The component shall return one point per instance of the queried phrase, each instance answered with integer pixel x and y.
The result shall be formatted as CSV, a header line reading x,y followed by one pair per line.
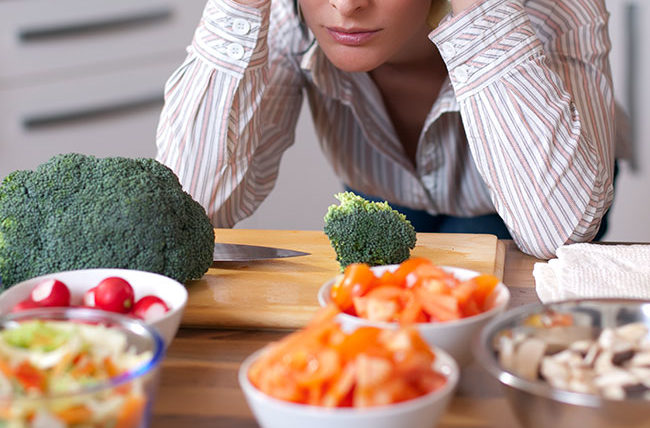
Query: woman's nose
x,y
348,7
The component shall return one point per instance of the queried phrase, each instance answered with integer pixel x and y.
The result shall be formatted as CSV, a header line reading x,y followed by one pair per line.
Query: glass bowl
x,y
83,367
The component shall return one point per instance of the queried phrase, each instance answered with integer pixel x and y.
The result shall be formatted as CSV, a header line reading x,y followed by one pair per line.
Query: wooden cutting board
x,y
281,293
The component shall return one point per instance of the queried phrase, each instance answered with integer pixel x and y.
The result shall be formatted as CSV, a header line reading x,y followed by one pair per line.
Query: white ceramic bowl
x,y
454,337
421,412
78,281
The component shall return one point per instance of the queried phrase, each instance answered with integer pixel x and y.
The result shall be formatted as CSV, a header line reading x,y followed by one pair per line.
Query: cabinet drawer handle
x,y
40,121
113,23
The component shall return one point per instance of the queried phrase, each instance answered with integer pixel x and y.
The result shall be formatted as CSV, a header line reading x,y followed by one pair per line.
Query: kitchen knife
x,y
244,253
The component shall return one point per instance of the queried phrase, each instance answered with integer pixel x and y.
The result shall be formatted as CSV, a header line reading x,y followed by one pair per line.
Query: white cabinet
x,y
630,60
86,75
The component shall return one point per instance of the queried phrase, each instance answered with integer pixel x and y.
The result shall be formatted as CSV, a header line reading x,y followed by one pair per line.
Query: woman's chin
x,y
353,62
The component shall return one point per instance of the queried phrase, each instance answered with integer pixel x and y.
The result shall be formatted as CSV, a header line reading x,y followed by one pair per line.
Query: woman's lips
x,y
351,37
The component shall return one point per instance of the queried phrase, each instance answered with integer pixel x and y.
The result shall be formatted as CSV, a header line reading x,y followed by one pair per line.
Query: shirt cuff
x,y
232,36
483,42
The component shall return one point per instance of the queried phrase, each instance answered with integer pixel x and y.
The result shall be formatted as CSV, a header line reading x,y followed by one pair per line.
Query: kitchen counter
x,y
199,388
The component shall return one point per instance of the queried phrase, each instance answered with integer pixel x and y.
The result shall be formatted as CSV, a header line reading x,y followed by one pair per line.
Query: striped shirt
x,y
523,125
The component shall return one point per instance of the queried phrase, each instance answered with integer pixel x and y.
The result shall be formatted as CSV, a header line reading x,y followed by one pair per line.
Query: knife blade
x,y
244,253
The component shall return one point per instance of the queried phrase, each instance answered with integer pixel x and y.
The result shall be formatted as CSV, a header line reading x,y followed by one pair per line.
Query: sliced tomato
x,y
470,308
464,291
440,307
412,311
407,267
485,284
465,294
356,280
428,381
387,292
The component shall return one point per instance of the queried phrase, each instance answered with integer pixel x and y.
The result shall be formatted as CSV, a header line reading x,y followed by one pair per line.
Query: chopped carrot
x,y
84,367
358,342
6,369
132,411
74,414
110,367
30,377
366,367
63,365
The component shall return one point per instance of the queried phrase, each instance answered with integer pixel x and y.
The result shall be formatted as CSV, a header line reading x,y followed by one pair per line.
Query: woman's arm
x,y
535,91
231,108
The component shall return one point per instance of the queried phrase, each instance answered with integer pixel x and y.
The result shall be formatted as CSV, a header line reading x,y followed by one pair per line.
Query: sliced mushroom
x,y
554,371
592,354
615,377
559,338
632,332
615,364
614,393
506,348
641,359
528,357
603,362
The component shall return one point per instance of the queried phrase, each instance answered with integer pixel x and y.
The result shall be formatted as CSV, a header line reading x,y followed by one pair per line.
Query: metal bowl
x,y
535,402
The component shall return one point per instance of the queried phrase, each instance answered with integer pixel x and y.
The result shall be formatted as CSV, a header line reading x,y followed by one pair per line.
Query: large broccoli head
x,y
361,231
77,211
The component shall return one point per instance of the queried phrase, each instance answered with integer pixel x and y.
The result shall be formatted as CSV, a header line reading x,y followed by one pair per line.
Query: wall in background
x,y
630,60
305,187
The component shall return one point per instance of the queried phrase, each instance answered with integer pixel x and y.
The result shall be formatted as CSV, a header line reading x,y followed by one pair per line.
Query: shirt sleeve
x,y
535,94
231,108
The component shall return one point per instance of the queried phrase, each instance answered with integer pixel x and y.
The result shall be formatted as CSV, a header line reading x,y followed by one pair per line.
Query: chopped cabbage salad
x,y
53,374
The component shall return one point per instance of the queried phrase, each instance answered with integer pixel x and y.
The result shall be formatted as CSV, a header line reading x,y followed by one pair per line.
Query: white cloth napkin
x,y
594,270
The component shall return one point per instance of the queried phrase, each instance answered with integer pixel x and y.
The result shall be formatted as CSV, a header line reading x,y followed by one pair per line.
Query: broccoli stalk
x,y
77,211
361,231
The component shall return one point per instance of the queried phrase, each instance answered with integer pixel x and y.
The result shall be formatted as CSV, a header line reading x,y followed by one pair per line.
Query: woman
x,y
502,116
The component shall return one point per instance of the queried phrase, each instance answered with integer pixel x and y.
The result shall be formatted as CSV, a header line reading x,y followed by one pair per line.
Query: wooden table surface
x,y
198,385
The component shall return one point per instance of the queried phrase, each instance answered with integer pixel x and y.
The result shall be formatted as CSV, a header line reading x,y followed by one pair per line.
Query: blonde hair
x,y
437,11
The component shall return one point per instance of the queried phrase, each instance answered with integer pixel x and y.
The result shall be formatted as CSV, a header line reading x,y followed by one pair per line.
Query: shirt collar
x,y
327,78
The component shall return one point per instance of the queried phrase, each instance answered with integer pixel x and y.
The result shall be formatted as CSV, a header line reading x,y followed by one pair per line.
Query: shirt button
x,y
448,49
462,73
235,51
240,26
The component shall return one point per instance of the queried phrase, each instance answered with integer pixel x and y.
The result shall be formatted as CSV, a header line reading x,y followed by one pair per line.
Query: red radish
x,y
28,303
88,298
114,294
150,308
51,292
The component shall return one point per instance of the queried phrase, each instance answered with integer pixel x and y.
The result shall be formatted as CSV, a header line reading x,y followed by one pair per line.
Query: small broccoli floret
x,y
77,211
361,231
